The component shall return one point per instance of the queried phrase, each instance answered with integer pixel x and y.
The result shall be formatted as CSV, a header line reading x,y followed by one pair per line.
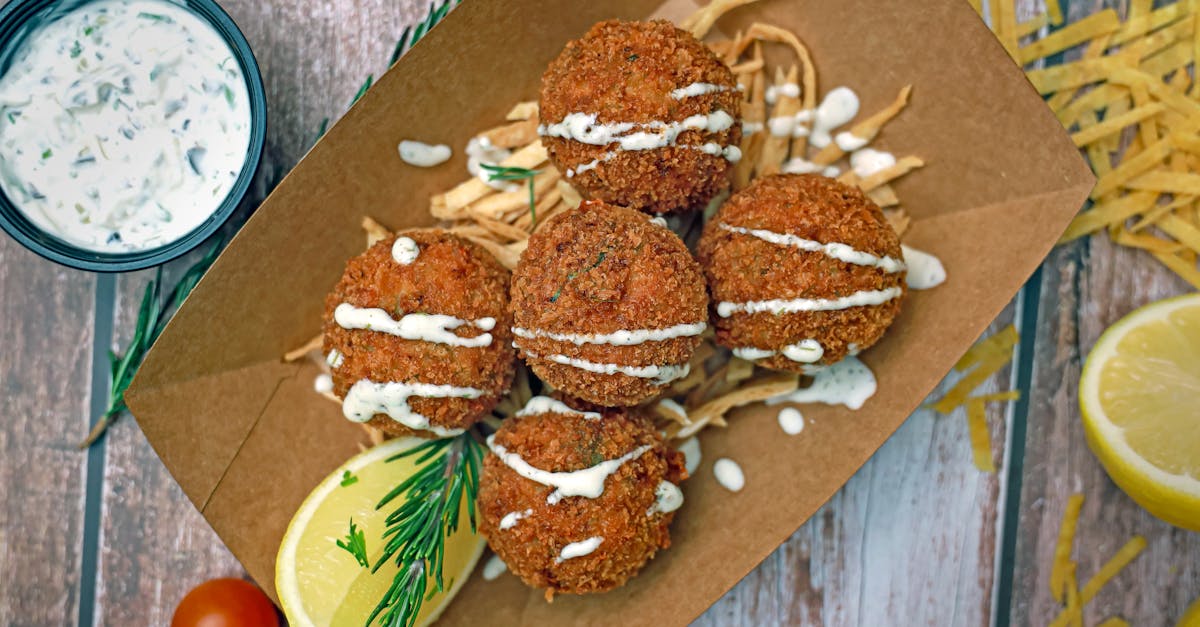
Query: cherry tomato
x,y
225,603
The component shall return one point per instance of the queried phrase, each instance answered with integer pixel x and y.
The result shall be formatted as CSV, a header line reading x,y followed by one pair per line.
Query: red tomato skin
x,y
225,603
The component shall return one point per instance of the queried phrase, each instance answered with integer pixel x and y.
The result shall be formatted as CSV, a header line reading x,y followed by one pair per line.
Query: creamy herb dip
x,y
123,124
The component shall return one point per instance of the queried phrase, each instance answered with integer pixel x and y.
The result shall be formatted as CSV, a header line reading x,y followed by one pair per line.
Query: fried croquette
x,y
554,538
802,271
418,334
608,305
642,115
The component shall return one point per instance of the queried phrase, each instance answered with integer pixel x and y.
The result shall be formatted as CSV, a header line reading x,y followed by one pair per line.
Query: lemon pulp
x,y
320,583
1140,400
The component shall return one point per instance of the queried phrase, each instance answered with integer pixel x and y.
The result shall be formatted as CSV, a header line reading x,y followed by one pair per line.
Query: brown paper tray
x,y
247,439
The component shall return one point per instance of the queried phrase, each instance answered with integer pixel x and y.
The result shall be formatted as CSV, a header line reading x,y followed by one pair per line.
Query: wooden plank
x,y
1088,285
154,545
912,535
46,321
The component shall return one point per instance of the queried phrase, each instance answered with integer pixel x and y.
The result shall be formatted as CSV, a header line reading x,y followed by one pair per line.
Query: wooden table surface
x,y
918,536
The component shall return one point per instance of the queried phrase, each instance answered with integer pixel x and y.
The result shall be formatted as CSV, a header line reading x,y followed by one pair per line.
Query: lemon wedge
x,y
320,583
1140,399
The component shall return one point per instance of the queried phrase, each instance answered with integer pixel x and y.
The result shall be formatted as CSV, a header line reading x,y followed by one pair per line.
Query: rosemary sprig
x,y
153,315
415,538
355,543
507,173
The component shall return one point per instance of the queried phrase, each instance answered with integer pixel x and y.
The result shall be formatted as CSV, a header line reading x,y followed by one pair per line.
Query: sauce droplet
x,y
729,474
791,420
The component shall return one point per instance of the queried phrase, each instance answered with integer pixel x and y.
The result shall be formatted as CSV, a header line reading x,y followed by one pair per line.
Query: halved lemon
x,y
322,584
1140,399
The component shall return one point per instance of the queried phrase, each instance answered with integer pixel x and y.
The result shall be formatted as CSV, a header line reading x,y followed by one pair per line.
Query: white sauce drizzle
x,y
791,420
123,124
691,454
660,374
579,549
799,165
546,405
849,382
789,90
839,107
588,482
367,398
729,474
480,152
732,154
335,359
323,384
405,250
424,155
583,127
841,252
750,128
436,328
924,270
805,352
494,568
869,161
849,142
511,519
795,125
667,498
623,337
864,298
699,89
659,221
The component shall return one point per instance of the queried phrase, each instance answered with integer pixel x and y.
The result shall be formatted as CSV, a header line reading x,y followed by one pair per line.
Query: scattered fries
x,y
1131,83
1064,585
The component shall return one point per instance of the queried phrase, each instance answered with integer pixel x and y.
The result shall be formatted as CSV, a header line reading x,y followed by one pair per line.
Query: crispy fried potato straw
x,y
1112,567
448,206
1010,395
1001,343
304,349
962,390
760,390
522,111
513,135
884,196
739,370
767,32
1131,168
1116,124
753,65
1062,549
496,205
1086,29
754,112
375,231
700,22
1166,182
981,440
1095,49
506,256
1114,621
1108,212
1037,23
669,412
867,129
899,220
1054,10
1184,268
775,148
903,166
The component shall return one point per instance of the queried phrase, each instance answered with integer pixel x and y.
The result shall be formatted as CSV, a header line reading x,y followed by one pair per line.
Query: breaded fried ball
x,y
564,542
418,334
802,270
642,115
608,305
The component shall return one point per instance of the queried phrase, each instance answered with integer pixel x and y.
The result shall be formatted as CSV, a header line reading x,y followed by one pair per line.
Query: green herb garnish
x,y
154,16
415,539
46,153
152,319
504,173
356,545
228,94
348,479
88,30
571,276
76,49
